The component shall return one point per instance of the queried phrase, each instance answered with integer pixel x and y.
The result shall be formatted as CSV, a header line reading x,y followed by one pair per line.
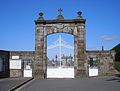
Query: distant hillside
x,y
117,50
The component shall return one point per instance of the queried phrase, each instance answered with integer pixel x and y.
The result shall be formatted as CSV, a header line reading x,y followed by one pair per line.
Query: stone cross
x,y
60,11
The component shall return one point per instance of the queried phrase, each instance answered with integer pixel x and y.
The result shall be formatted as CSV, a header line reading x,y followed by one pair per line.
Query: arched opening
x,y
60,55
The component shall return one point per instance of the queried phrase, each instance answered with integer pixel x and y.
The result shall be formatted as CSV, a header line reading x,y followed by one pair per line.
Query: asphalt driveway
x,y
92,84
9,83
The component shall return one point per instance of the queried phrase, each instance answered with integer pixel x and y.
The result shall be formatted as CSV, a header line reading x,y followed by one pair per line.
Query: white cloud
x,y
108,37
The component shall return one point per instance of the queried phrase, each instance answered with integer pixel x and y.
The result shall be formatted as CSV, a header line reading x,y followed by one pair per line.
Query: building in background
x,y
4,64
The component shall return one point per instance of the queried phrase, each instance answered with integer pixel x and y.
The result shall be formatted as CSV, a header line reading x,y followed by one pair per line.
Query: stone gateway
x,y
86,63
82,57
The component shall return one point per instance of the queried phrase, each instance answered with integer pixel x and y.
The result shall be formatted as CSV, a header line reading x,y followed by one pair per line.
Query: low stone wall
x,y
16,73
106,61
23,55
105,64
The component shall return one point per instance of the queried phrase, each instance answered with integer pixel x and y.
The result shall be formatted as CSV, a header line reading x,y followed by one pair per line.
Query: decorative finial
x,y
41,16
60,17
60,11
79,15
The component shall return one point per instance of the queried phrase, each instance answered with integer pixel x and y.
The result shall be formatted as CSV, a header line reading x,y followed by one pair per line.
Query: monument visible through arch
x,y
75,27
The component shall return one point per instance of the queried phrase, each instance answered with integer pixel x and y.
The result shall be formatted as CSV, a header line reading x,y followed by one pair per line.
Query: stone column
x,y
38,71
81,49
45,54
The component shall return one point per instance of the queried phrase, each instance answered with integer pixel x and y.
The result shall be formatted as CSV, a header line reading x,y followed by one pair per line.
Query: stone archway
x,y
75,27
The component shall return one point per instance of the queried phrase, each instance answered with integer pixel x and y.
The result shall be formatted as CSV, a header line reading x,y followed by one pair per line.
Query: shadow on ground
x,y
116,78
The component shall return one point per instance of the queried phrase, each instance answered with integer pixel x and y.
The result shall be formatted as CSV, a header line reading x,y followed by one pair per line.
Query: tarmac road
x,y
92,84
9,83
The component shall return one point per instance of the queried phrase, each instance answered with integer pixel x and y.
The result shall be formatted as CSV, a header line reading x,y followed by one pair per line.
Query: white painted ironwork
x,y
60,43
93,71
27,73
60,72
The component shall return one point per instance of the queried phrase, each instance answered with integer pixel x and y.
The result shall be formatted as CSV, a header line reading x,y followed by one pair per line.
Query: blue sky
x,y
17,28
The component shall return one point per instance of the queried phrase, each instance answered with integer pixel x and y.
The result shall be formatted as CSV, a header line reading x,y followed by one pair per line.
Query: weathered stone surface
x,y
81,73
16,73
69,27
106,65
75,27
23,55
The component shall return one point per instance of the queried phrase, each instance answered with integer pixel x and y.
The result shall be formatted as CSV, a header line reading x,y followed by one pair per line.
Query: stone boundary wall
x,y
106,61
23,55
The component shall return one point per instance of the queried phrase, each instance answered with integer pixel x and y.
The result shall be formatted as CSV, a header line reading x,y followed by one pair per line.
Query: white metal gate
x,y
93,71
93,66
60,72
62,67
27,72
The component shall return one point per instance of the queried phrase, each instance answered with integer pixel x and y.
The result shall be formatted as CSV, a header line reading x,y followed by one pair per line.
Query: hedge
x,y
117,65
